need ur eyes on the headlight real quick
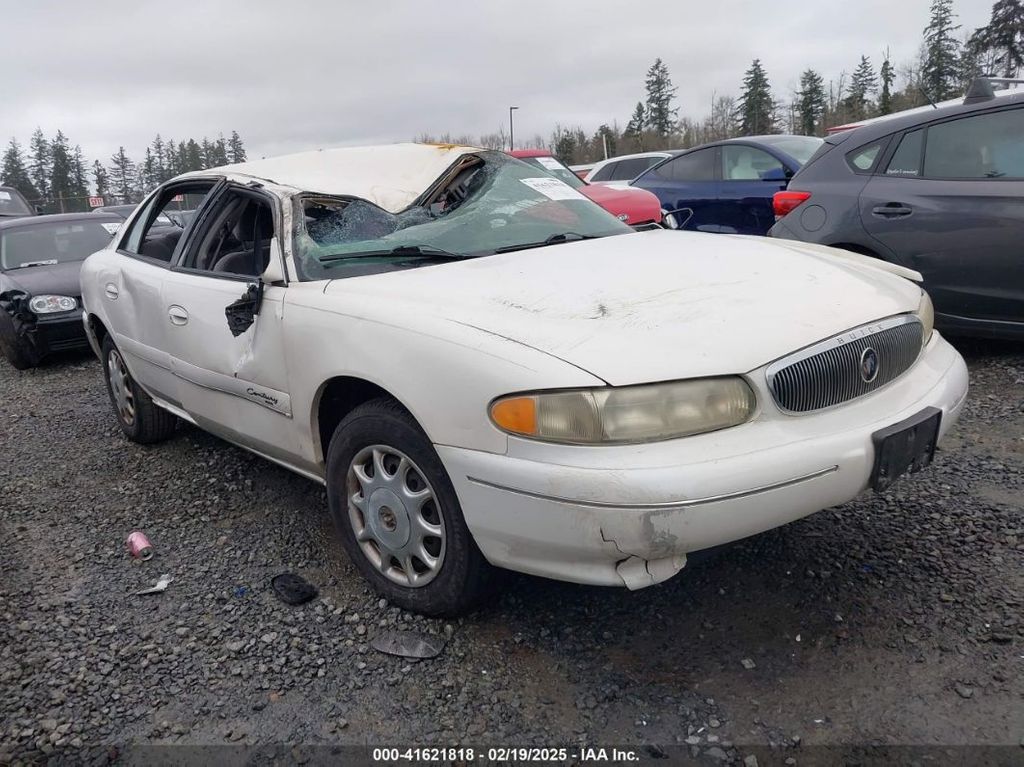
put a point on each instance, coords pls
(646, 413)
(926, 313)
(52, 304)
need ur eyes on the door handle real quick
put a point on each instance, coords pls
(892, 210)
(111, 291)
(178, 315)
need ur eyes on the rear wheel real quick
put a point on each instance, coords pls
(139, 417)
(398, 516)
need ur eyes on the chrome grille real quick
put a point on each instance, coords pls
(829, 373)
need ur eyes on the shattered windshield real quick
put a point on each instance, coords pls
(487, 203)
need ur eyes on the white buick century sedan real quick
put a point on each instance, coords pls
(489, 371)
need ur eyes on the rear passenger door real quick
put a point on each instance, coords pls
(750, 176)
(950, 203)
(687, 185)
(131, 285)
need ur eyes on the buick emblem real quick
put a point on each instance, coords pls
(869, 365)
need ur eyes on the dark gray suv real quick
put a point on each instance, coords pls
(940, 191)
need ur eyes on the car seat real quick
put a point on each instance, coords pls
(254, 231)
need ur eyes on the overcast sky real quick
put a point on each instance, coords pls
(300, 75)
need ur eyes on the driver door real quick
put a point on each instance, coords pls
(223, 306)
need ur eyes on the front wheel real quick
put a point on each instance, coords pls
(398, 516)
(139, 417)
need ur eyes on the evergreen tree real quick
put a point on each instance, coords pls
(193, 156)
(39, 163)
(756, 109)
(149, 176)
(60, 172)
(1002, 39)
(181, 159)
(888, 76)
(605, 137)
(220, 152)
(941, 64)
(170, 160)
(969, 65)
(810, 103)
(122, 176)
(206, 153)
(13, 171)
(236, 150)
(79, 183)
(863, 84)
(100, 179)
(635, 126)
(569, 144)
(159, 160)
(660, 91)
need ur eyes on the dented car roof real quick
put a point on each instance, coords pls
(391, 176)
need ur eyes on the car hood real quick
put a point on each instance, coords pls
(58, 279)
(634, 206)
(646, 306)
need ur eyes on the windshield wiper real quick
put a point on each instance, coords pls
(422, 251)
(554, 239)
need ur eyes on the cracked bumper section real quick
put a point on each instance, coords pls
(629, 515)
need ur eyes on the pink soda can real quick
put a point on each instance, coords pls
(139, 545)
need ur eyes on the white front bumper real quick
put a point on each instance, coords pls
(627, 515)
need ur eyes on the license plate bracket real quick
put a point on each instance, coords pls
(905, 447)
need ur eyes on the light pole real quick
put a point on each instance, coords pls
(511, 130)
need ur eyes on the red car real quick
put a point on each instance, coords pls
(632, 206)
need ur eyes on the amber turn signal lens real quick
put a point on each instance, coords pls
(516, 414)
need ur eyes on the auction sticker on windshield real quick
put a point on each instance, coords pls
(550, 163)
(552, 188)
(5, 195)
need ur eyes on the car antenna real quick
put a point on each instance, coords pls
(927, 97)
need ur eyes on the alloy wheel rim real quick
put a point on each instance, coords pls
(120, 386)
(396, 516)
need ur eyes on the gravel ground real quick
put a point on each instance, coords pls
(895, 619)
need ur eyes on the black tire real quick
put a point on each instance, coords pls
(148, 423)
(463, 577)
(9, 344)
